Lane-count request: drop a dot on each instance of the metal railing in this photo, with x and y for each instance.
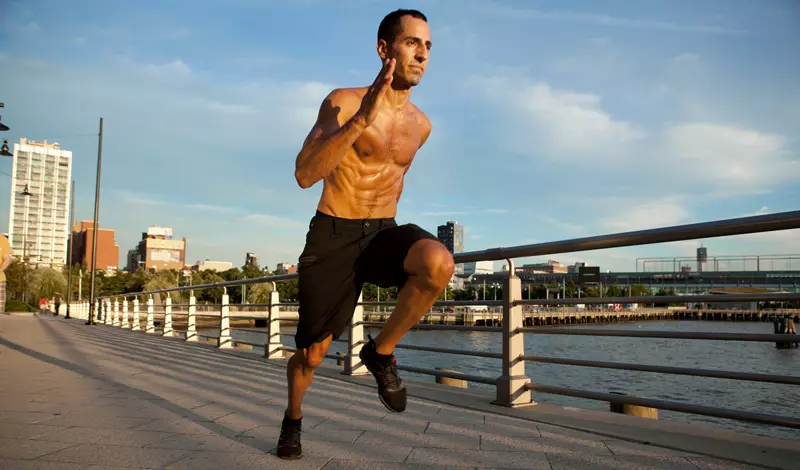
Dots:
(513, 387)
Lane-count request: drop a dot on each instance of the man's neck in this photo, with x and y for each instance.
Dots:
(397, 98)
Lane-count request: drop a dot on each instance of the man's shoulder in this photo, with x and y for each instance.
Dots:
(346, 95)
(422, 120)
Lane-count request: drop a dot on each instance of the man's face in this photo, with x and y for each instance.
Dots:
(410, 49)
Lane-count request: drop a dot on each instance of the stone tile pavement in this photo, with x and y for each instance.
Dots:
(78, 397)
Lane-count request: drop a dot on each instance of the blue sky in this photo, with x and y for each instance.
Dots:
(551, 120)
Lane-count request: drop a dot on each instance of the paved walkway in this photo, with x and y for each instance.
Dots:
(79, 397)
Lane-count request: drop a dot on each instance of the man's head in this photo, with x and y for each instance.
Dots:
(404, 35)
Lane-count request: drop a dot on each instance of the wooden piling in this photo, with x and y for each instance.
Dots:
(458, 383)
(633, 410)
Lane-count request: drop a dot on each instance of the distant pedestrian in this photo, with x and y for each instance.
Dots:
(5, 261)
(57, 302)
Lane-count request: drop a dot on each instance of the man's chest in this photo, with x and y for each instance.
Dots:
(389, 141)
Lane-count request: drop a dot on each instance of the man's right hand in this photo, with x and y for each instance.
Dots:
(373, 98)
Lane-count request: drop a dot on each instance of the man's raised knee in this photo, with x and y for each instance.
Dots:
(432, 262)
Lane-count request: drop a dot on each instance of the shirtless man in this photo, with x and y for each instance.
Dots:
(361, 147)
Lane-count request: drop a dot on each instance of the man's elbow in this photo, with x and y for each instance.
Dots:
(302, 180)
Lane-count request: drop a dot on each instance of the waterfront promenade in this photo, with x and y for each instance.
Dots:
(97, 397)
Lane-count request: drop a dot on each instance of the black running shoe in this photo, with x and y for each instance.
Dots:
(384, 367)
(289, 447)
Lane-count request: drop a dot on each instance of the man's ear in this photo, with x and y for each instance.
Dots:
(383, 49)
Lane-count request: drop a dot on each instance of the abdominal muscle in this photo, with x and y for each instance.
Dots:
(362, 188)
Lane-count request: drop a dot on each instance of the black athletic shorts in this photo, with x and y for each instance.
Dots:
(340, 255)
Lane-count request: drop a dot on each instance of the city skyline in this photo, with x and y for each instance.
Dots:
(629, 116)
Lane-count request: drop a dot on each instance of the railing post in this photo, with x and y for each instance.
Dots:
(108, 317)
(125, 318)
(168, 316)
(225, 341)
(116, 312)
(136, 320)
(272, 350)
(355, 338)
(191, 319)
(150, 326)
(97, 305)
(511, 389)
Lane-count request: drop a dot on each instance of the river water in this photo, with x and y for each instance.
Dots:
(737, 356)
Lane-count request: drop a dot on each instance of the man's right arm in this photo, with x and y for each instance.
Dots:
(337, 128)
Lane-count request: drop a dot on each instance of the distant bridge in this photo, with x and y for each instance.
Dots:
(787, 281)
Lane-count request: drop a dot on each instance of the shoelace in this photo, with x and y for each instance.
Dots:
(290, 436)
(390, 374)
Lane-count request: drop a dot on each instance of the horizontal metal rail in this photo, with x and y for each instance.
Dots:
(438, 303)
(783, 297)
(425, 326)
(451, 375)
(460, 352)
(750, 416)
(771, 338)
(255, 345)
(720, 228)
(721, 374)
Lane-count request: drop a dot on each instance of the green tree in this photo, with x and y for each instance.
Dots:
(259, 293)
(47, 282)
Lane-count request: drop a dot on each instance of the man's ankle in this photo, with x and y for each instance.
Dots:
(292, 417)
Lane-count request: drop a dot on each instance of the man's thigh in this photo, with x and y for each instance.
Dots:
(328, 287)
(381, 262)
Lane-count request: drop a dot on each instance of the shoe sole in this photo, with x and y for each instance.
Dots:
(387, 405)
(291, 457)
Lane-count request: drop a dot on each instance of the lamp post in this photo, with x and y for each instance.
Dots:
(94, 231)
(26, 194)
(69, 256)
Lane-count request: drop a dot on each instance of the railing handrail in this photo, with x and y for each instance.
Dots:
(717, 228)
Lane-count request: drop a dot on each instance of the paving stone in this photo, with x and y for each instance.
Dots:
(184, 426)
(271, 434)
(209, 460)
(26, 431)
(480, 429)
(361, 465)
(708, 463)
(342, 450)
(14, 464)
(473, 458)
(395, 438)
(625, 462)
(23, 417)
(91, 454)
(540, 444)
(633, 448)
(28, 449)
(212, 442)
(95, 421)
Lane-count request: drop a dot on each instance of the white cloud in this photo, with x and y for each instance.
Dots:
(639, 215)
(734, 159)
(273, 221)
(563, 123)
(494, 9)
(568, 227)
(174, 69)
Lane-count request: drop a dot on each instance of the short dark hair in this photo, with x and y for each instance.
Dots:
(390, 25)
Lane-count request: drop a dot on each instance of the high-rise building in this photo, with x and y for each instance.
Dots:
(251, 259)
(157, 250)
(38, 216)
(452, 236)
(107, 248)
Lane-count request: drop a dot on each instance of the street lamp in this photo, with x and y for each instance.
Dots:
(4, 152)
(3, 127)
